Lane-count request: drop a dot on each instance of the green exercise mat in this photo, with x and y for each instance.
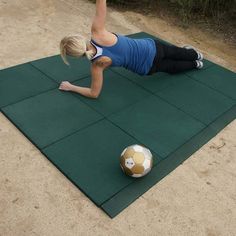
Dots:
(50, 116)
(20, 82)
(57, 70)
(172, 115)
(120, 91)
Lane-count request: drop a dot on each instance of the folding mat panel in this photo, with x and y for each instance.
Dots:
(172, 115)
(20, 82)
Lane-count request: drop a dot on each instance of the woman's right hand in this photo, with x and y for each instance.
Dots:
(65, 86)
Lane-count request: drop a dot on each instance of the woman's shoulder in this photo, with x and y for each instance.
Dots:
(104, 38)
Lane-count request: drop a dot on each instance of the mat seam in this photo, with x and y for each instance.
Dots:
(51, 78)
(207, 126)
(114, 112)
(33, 142)
(188, 114)
(210, 87)
(11, 104)
(71, 134)
(48, 76)
(172, 105)
(35, 94)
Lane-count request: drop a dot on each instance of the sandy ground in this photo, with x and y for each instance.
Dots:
(198, 198)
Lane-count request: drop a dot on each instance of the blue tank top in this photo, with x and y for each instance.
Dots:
(136, 55)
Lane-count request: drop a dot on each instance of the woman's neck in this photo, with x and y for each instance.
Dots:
(90, 47)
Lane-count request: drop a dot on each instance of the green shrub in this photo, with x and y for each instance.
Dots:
(188, 8)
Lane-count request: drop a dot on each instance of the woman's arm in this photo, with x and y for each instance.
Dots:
(99, 20)
(96, 85)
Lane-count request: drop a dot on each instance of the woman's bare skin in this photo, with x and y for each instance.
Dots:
(104, 38)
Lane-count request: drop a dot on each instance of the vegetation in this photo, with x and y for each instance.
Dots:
(216, 15)
(207, 8)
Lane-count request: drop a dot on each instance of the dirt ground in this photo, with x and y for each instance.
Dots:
(198, 198)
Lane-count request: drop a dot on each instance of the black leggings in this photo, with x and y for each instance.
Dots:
(172, 59)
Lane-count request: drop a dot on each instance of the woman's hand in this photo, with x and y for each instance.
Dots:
(66, 86)
(87, 92)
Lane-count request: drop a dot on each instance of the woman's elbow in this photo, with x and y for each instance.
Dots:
(94, 95)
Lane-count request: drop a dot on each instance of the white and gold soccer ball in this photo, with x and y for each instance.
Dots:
(136, 161)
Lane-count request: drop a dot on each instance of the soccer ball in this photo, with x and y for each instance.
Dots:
(136, 161)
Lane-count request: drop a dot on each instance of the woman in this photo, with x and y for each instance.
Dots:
(142, 56)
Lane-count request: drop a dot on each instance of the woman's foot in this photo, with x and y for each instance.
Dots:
(200, 55)
(199, 64)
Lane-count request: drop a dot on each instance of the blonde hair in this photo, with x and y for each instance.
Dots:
(75, 46)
